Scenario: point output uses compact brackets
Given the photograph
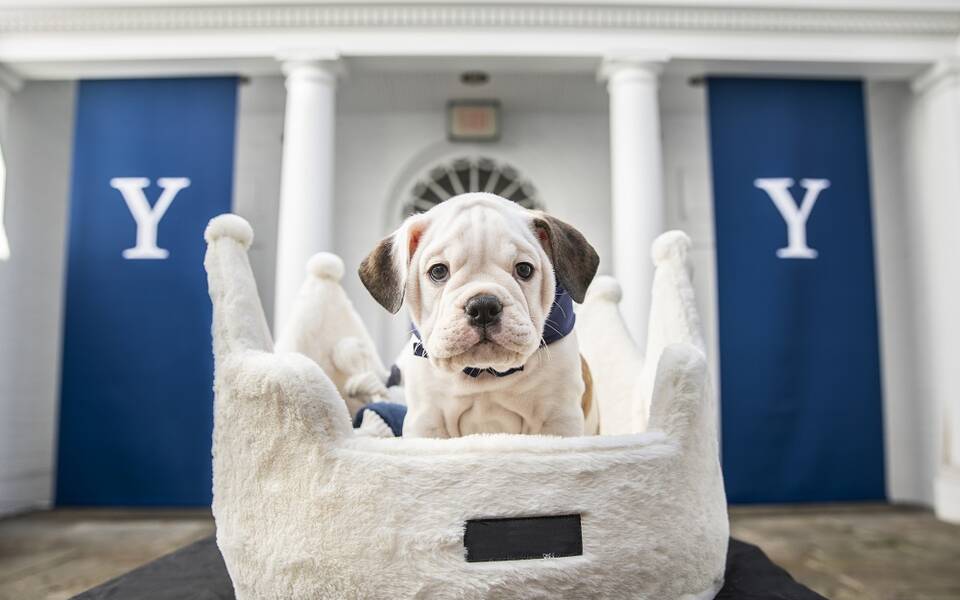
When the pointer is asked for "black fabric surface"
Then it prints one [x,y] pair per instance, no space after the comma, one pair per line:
[752,576]
[197,572]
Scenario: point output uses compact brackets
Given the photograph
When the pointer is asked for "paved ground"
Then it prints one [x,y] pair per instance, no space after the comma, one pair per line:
[55,555]
[843,552]
[859,552]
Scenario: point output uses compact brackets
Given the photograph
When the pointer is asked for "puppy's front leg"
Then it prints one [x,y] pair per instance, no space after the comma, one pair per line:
[566,423]
[424,422]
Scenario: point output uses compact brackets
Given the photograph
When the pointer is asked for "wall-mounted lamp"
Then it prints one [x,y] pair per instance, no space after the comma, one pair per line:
[474,78]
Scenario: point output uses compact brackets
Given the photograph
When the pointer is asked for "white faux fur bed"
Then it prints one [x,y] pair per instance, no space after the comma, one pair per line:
[307,509]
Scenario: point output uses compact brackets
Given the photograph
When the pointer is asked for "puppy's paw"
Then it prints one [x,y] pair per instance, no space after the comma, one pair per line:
[373,425]
[365,387]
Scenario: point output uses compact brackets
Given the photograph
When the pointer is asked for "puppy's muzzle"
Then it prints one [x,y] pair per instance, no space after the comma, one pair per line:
[483,310]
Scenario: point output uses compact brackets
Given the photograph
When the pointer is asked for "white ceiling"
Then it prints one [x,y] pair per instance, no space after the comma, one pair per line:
[517,92]
[431,91]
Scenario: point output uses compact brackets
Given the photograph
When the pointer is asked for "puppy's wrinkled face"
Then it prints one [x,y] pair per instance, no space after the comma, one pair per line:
[480,287]
[478,275]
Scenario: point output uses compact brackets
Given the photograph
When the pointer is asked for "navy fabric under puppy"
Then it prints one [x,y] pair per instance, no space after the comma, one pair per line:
[392,414]
[559,323]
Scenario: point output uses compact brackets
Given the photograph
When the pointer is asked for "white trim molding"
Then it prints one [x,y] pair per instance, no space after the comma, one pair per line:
[140,38]
[458,15]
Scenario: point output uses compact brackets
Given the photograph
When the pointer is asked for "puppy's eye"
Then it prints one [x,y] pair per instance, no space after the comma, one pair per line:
[524,270]
[439,272]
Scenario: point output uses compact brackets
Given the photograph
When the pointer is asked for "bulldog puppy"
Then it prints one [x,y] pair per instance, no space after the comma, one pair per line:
[489,286]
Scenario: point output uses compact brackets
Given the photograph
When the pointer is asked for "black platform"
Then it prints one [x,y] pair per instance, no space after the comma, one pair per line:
[197,572]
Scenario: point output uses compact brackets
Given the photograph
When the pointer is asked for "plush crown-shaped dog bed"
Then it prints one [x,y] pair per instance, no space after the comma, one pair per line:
[305,508]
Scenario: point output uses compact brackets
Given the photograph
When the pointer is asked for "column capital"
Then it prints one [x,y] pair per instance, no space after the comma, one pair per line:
[10,82]
[946,70]
[316,65]
[631,66]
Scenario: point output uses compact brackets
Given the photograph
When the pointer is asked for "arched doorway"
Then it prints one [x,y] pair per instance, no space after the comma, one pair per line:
[469,174]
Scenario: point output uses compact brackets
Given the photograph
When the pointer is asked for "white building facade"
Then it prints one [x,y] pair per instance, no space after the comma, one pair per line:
[342,113]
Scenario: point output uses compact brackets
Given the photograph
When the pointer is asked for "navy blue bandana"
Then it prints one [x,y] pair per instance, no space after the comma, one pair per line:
[559,323]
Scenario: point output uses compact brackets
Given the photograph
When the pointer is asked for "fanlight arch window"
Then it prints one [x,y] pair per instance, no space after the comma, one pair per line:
[470,174]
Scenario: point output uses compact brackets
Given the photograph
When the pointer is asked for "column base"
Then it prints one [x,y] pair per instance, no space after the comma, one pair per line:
[946,494]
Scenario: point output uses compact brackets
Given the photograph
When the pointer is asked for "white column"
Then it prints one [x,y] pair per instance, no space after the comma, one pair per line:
[9,85]
[637,181]
[936,211]
[305,220]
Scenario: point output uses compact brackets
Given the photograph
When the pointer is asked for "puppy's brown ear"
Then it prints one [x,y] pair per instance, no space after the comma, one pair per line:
[380,274]
[574,259]
[384,270]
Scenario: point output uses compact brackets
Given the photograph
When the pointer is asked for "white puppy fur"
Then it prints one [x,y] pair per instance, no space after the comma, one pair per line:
[440,263]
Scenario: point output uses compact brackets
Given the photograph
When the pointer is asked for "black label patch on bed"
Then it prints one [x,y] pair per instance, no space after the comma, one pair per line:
[523,538]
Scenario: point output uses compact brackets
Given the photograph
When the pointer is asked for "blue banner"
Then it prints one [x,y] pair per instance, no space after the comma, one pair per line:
[153,162]
[799,365]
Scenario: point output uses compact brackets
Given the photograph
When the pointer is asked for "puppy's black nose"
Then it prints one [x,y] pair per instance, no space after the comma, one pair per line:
[483,310]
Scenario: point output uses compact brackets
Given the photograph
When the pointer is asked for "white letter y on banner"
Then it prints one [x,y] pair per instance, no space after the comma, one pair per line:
[778,188]
[147,218]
